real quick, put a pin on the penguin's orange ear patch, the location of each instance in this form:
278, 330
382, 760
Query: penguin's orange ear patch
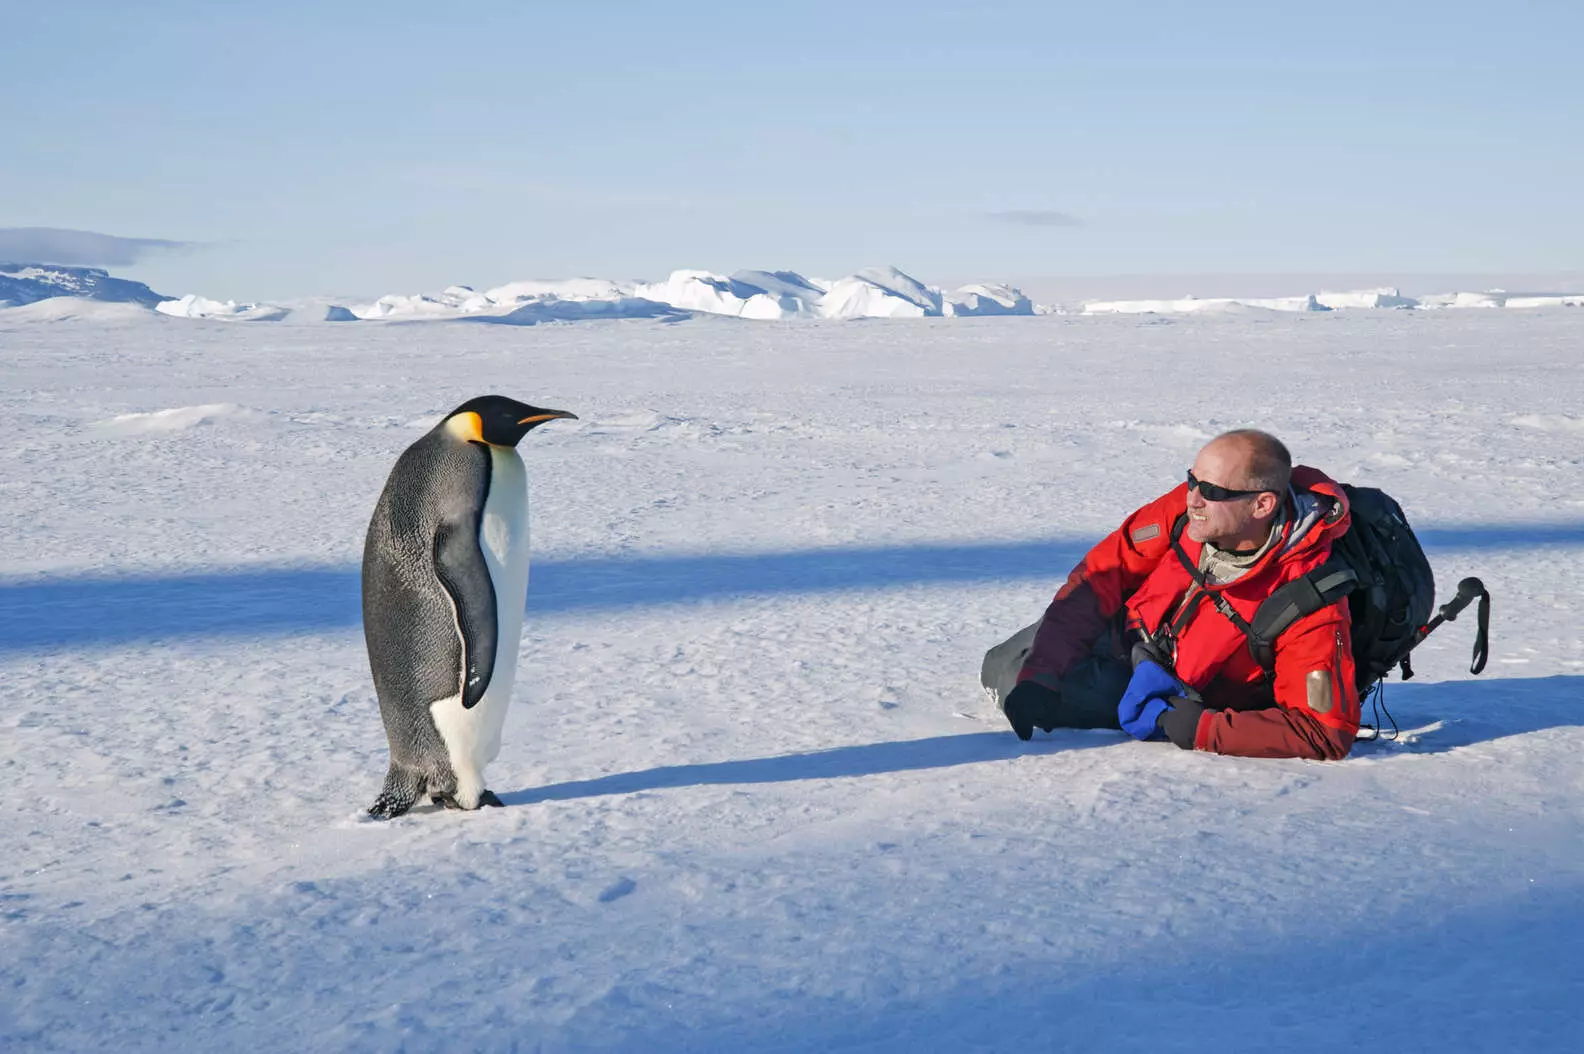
468, 427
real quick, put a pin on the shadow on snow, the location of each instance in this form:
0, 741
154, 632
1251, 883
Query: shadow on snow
1434, 719
55, 612
346, 965
867, 759
68, 612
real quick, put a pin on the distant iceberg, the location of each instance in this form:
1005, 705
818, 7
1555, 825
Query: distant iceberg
987, 300
23, 283
1194, 305
194, 306
1385, 297
876, 292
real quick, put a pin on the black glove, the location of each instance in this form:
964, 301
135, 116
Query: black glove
1030, 704
1180, 721
1150, 651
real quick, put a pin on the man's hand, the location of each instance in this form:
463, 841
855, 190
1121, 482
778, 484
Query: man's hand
1030, 704
1148, 696
1180, 722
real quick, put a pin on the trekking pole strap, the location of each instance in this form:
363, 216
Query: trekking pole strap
1468, 590
1481, 634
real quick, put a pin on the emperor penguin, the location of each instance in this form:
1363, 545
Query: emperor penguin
445, 578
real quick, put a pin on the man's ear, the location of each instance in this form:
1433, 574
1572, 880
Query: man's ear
1266, 503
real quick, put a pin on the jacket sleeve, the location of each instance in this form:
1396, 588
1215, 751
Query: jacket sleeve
1099, 586
1317, 709
1072, 624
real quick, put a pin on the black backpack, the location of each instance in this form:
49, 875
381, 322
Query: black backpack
1382, 570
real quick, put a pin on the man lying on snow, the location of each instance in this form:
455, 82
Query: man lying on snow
1140, 638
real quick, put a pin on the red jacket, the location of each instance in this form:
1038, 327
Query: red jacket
1316, 709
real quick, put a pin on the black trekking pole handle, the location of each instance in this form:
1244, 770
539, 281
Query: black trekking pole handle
1468, 590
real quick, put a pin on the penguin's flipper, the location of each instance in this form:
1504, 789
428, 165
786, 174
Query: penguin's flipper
459, 564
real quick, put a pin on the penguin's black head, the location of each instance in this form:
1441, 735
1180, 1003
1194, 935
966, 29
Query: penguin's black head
499, 421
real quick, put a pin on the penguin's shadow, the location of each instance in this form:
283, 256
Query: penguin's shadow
868, 759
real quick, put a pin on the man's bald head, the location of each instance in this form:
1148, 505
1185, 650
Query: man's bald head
1267, 464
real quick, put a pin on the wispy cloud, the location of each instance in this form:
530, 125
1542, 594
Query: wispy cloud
57, 245
1037, 218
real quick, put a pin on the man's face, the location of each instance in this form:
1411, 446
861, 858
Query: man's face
1228, 524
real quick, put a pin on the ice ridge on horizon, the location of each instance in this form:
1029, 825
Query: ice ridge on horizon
28, 283
765, 295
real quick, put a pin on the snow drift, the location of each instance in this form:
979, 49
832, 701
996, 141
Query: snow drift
173, 419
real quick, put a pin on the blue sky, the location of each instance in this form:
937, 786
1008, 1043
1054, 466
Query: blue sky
367, 148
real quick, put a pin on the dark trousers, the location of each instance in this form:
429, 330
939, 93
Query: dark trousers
1089, 691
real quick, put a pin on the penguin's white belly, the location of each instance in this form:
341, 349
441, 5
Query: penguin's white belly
473, 737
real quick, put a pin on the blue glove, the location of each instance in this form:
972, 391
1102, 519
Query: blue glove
1146, 699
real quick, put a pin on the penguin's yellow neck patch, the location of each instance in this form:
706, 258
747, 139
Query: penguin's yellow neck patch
468, 427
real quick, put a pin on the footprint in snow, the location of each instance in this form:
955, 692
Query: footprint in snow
618, 889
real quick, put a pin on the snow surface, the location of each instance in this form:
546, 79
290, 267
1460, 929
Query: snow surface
73, 308
755, 799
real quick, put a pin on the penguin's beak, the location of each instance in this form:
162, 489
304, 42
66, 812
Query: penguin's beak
546, 415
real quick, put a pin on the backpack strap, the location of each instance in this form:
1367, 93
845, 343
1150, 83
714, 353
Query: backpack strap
1221, 603
1303, 596
1317, 589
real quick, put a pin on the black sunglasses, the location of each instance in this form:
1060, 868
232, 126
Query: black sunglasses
1212, 492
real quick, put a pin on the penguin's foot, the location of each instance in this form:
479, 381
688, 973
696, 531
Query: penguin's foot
388, 807
450, 801
403, 787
